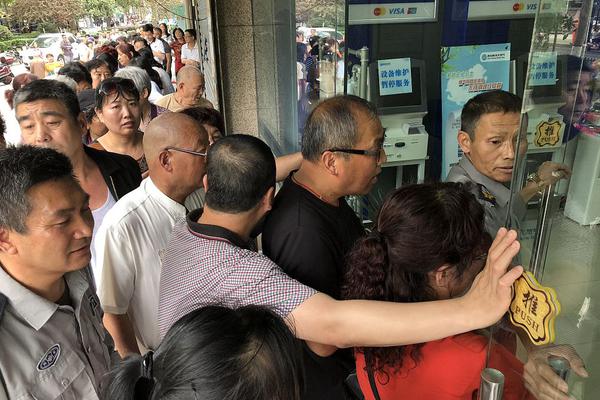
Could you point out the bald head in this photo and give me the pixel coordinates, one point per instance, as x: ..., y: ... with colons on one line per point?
x: 172, y: 130
x: 189, y: 73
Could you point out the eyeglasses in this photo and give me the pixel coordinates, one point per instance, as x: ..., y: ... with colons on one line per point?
x: 370, y: 153
x: 192, y: 152
x: 116, y: 84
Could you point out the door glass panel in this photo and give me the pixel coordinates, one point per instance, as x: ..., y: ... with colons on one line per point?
x: 558, y: 226
x: 320, y: 43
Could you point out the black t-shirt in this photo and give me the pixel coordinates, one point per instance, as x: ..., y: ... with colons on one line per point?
x: 309, y: 240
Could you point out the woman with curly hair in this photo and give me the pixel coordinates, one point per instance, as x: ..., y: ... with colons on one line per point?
x: 428, y: 244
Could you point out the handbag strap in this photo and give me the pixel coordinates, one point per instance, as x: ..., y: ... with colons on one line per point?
x: 371, y: 375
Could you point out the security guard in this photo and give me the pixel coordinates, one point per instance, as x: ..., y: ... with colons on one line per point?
x: 490, y: 125
x: 53, y: 344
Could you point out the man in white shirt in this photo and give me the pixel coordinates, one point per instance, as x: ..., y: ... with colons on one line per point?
x: 189, y: 51
x: 130, y: 242
x: 157, y: 47
x: 190, y: 91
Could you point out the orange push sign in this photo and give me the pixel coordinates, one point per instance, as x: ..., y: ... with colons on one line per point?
x: 534, y: 308
x: 547, y: 133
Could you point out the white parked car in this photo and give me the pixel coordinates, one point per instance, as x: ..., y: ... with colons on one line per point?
x: 47, y: 43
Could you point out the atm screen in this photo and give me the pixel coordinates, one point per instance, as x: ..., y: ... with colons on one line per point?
x: 401, y: 103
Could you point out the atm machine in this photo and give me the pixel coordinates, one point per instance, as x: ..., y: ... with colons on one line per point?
x: 402, y: 118
x: 542, y: 100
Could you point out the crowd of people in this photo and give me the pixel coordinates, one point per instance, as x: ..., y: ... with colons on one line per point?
x: 131, y: 269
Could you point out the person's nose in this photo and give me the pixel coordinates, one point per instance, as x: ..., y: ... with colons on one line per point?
x: 84, y: 226
x: 509, y: 150
x: 42, y: 134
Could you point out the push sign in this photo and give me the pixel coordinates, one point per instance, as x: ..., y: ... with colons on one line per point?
x: 394, y: 76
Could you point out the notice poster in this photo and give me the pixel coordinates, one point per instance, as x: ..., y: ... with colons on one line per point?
x: 466, y: 72
x: 543, y: 68
x: 394, y: 76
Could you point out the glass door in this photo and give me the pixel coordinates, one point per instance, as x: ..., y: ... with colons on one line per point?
x: 559, y: 226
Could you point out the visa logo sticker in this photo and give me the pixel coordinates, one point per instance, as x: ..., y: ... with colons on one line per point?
x: 532, y: 7
x: 397, y: 11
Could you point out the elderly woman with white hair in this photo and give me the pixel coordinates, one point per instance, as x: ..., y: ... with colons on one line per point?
x: 142, y: 82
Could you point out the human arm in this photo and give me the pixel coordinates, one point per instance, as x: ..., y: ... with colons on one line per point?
x: 548, y: 174
x: 286, y: 164
x: 187, y: 56
x: 158, y: 50
x: 121, y: 330
x: 357, y: 323
x: 115, y: 258
x: 169, y: 60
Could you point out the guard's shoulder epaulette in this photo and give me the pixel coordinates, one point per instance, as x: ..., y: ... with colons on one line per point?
x: 486, y: 195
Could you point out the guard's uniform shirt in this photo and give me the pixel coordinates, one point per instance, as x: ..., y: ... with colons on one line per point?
x: 50, y: 351
x: 492, y: 195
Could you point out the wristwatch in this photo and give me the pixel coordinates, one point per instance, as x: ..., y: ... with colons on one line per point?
x: 535, y: 178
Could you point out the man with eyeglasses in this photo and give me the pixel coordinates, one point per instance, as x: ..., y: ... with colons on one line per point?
x: 130, y: 242
x: 311, y: 227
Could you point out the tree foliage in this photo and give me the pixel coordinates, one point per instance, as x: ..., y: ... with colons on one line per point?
x: 63, y: 13
x: 98, y: 9
x: 320, y: 12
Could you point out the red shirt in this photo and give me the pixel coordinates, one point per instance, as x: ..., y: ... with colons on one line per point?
x: 449, y: 369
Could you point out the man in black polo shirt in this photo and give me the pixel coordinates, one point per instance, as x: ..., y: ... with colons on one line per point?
x: 311, y: 227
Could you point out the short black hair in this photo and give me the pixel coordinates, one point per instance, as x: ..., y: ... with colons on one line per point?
x: 21, y: 168
x: 192, y: 32
x: 240, y: 170
x: 49, y: 89
x: 138, y: 38
x: 2, y: 132
x: 110, y: 60
x: 95, y: 64
x: 206, y: 115
x: 76, y: 71
x: 487, y: 103
x: 147, y: 28
x: 122, y: 86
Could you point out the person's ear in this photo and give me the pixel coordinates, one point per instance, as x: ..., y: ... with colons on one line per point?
x: 165, y: 161
x: 205, y: 182
x: 6, y: 245
x: 464, y: 141
x: 267, y: 199
x: 329, y: 161
x: 442, y: 277
x: 145, y: 93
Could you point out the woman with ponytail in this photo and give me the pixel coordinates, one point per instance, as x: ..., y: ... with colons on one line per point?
x: 215, y: 353
x: 429, y: 242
